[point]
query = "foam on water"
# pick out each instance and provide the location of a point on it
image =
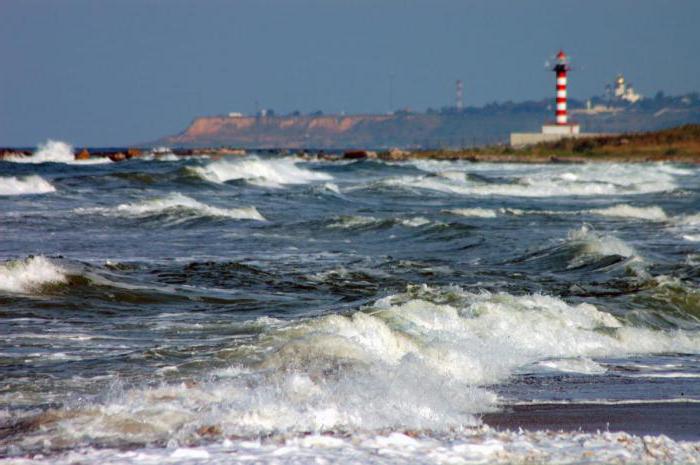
(687, 226)
(369, 222)
(474, 446)
(29, 275)
(596, 244)
(652, 213)
(264, 172)
(12, 185)
(578, 365)
(474, 212)
(173, 203)
(414, 360)
(540, 181)
(53, 151)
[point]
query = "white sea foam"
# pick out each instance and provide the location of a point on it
(359, 222)
(598, 245)
(354, 221)
(687, 226)
(33, 184)
(538, 181)
(471, 447)
(576, 365)
(173, 203)
(264, 172)
(26, 276)
(474, 212)
(53, 151)
(411, 361)
(652, 213)
(414, 222)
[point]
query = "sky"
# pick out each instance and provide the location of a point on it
(120, 72)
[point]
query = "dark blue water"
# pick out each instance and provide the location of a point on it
(164, 303)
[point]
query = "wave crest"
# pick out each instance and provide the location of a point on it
(34, 184)
(53, 151)
(414, 360)
(30, 274)
(175, 203)
(263, 172)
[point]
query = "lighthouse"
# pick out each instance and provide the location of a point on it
(561, 127)
(561, 68)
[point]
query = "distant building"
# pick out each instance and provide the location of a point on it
(235, 114)
(622, 90)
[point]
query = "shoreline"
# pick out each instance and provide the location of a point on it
(675, 145)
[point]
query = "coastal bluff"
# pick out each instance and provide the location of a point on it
(490, 125)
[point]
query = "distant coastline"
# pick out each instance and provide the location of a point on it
(676, 145)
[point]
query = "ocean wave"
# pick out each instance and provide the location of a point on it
(591, 244)
(474, 212)
(176, 204)
(686, 226)
(263, 172)
(540, 181)
(30, 275)
(652, 213)
(370, 222)
(415, 361)
(33, 184)
(53, 151)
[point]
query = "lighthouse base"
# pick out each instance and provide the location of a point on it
(561, 129)
(551, 133)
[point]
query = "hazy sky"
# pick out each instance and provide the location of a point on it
(99, 72)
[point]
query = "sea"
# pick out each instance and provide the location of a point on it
(278, 309)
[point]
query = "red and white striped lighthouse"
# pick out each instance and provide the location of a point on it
(561, 68)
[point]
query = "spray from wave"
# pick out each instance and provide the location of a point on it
(263, 172)
(29, 275)
(599, 245)
(176, 204)
(13, 185)
(416, 360)
(53, 151)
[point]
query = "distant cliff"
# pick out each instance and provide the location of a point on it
(475, 126)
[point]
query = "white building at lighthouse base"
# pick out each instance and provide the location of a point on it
(550, 133)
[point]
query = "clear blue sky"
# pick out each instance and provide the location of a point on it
(101, 72)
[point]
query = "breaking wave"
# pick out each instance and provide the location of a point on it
(53, 151)
(179, 205)
(30, 274)
(474, 212)
(472, 447)
(587, 180)
(652, 213)
(593, 245)
(370, 222)
(13, 185)
(263, 172)
(416, 360)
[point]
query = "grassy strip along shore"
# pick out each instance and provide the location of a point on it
(679, 145)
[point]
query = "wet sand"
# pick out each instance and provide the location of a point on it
(678, 421)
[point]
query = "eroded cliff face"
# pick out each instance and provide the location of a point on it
(327, 131)
(406, 130)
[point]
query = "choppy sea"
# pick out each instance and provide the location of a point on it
(269, 309)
